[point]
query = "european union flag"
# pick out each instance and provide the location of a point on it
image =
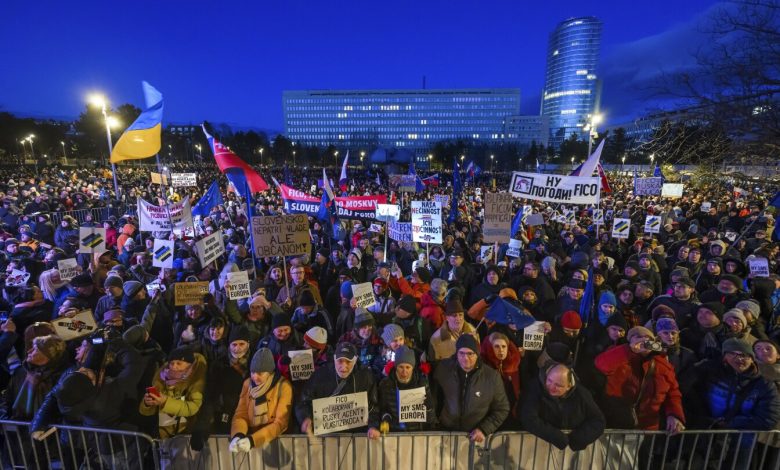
(502, 311)
(518, 219)
(588, 299)
(457, 187)
(211, 199)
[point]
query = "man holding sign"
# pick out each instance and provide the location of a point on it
(333, 397)
(405, 401)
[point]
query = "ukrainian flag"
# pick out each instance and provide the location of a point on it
(142, 138)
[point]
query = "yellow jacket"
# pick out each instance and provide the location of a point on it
(279, 399)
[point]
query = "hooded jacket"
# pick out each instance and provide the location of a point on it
(509, 369)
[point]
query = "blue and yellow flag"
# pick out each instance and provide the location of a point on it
(143, 138)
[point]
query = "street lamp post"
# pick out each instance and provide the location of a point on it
(64, 153)
(32, 151)
(430, 161)
(293, 158)
(595, 120)
(572, 162)
(200, 156)
(98, 100)
(362, 154)
(336, 157)
(261, 156)
(491, 163)
(652, 158)
(623, 164)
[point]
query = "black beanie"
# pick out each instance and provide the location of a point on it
(74, 389)
(239, 333)
(716, 307)
(467, 341)
(281, 319)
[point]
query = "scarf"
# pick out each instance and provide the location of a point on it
(171, 378)
(239, 363)
(258, 393)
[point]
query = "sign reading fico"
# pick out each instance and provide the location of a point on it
(426, 222)
(498, 217)
(555, 188)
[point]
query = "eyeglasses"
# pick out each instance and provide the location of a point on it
(738, 355)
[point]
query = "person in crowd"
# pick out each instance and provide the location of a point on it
(404, 375)
(365, 339)
(498, 352)
(442, 343)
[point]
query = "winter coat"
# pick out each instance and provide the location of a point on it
(368, 349)
(432, 310)
(661, 397)
(184, 400)
(468, 401)
(442, 344)
(277, 403)
(720, 388)
(324, 381)
(416, 290)
(546, 416)
(685, 310)
(417, 331)
(128, 230)
(388, 402)
(509, 369)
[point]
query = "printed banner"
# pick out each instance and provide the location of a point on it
(620, 228)
(340, 412)
(759, 267)
(534, 219)
(162, 256)
(388, 212)
(672, 190)
(237, 286)
(533, 336)
(159, 218)
(301, 364)
(648, 186)
(17, 278)
(515, 248)
(403, 183)
(400, 231)
(92, 240)
(353, 207)
(68, 268)
(426, 222)
(498, 217)
(411, 406)
(443, 199)
(184, 180)
(706, 206)
(210, 248)
(189, 293)
(363, 294)
(486, 254)
(598, 216)
(570, 217)
(81, 324)
(653, 224)
(555, 188)
(281, 235)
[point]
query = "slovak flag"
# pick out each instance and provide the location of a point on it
(235, 169)
(432, 180)
(343, 177)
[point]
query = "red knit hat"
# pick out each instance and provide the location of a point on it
(316, 337)
(571, 320)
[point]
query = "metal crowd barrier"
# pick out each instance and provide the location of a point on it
(99, 214)
(76, 447)
(73, 447)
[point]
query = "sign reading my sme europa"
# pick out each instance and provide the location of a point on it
(281, 235)
(555, 188)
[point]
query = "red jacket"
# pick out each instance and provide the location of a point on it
(509, 369)
(432, 310)
(662, 395)
(403, 286)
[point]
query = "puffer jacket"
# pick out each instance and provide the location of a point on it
(388, 402)
(470, 400)
(545, 416)
(184, 400)
(432, 310)
(509, 369)
(660, 399)
(277, 402)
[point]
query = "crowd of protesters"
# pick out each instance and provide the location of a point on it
(681, 335)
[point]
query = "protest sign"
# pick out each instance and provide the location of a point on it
(426, 222)
(376, 228)
(281, 235)
(400, 231)
(340, 412)
(570, 217)
(189, 293)
(648, 186)
(534, 219)
(363, 294)
(81, 324)
(653, 224)
(498, 217)
(515, 248)
(672, 190)
(620, 228)
(210, 248)
(705, 206)
(184, 180)
(555, 188)
(443, 199)
(237, 286)
(159, 178)
(162, 254)
(175, 216)
(403, 183)
(533, 336)
(759, 267)
(17, 278)
(92, 240)
(388, 212)
(486, 254)
(68, 268)
(301, 364)
(411, 405)
(598, 216)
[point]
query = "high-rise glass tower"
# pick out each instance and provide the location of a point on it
(571, 86)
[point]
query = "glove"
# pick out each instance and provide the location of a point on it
(196, 441)
(233, 447)
(489, 299)
(244, 444)
(188, 335)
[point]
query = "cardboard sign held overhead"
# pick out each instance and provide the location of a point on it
(363, 294)
(81, 324)
(162, 254)
(281, 235)
(426, 222)
(92, 240)
(653, 224)
(621, 228)
(210, 248)
(68, 268)
(183, 180)
(238, 286)
(498, 217)
(759, 267)
(189, 293)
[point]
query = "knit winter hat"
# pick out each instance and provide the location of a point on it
(281, 319)
(131, 288)
(576, 284)
(423, 274)
(467, 341)
(363, 318)
(316, 337)
(239, 333)
(661, 311)
(453, 307)
(734, 279)
(408, 304)
(346, 290)
(751, 306)
(571, 320)
(715, 307)
(607, 297)
(262, 361)
(82, 280)
(617, 320)
(307, 299)
(182, 354)
(735, 313)
(113, 281)
(737, 345)
(639, 331)
(404, 355)
(666, 324)
(391, 332)
(112, 314)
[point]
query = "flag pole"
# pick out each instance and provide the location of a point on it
(165, 197)
(251, 234)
